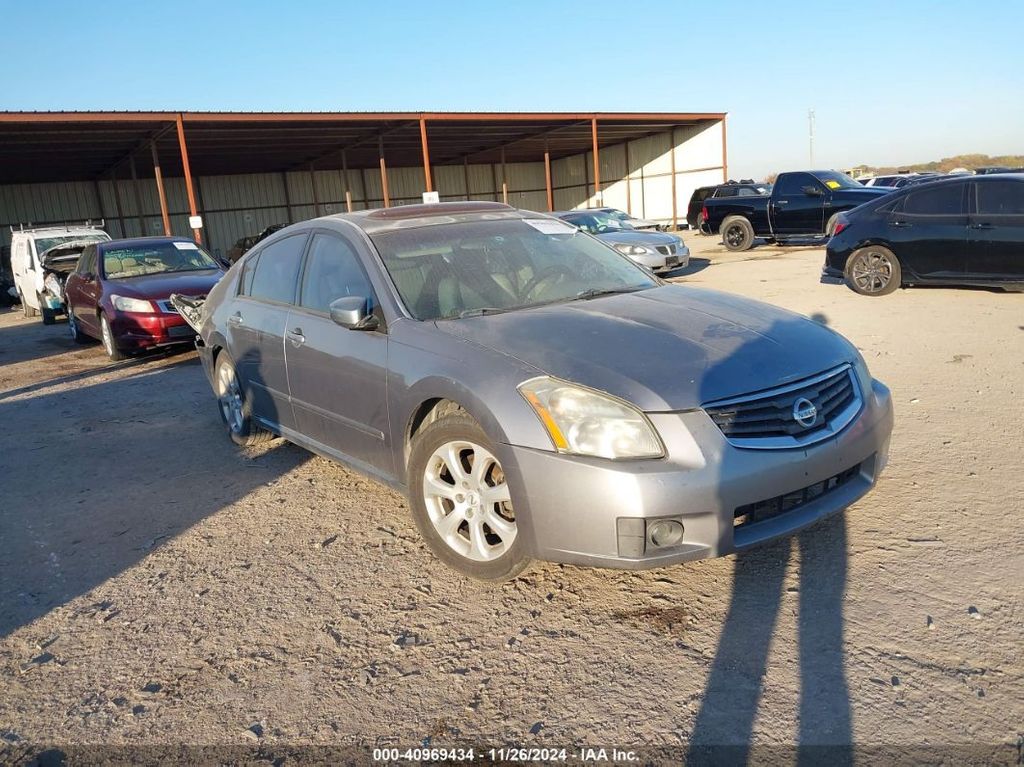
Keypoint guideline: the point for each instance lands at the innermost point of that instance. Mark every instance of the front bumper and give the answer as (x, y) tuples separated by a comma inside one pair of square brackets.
[(570, 508), (145, 331), (665, 263)]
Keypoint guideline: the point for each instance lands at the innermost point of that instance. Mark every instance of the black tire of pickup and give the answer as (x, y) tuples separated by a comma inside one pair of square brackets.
[(737, 233)]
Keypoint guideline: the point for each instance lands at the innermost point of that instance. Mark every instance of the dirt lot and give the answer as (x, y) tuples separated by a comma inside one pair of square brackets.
[(159, 586)]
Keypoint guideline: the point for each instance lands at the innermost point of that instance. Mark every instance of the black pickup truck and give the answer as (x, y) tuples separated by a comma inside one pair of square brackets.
[(803, 206)]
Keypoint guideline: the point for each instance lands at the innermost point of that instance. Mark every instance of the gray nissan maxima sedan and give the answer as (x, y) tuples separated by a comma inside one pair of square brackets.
[(535, 393)]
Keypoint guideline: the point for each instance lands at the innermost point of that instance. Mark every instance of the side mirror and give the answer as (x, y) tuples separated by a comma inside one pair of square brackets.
[(812, 191), (353, 312), (88, 276)]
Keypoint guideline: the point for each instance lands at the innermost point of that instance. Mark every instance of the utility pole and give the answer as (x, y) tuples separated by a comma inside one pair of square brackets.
[(810, 135)]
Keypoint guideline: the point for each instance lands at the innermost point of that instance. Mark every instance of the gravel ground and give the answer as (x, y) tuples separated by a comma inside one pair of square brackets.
[(160, 587)]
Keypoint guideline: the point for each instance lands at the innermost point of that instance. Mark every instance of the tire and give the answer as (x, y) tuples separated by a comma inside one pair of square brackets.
[(449, 505), (109, 342), (26, 310), (234, 405), (873, 271), (49, 315), (831, 225), (76, 331), (737, 234)]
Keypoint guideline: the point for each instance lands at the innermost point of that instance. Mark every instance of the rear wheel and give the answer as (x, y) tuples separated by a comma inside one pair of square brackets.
[(235, 408), (873, 271), (109, 342), (737, 234), (461, 501), (27, 310)]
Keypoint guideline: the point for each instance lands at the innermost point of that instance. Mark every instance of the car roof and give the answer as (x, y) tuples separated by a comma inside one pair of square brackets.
[(377, 220)]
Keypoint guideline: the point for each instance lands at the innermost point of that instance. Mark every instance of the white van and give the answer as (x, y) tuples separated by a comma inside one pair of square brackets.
[(38, 294)]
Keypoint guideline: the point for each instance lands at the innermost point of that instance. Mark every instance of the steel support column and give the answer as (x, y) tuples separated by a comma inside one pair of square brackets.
[(383, 173), (672, 167), (547, 177), (426, 155), (504, 178), (197, 234), (629, 182), (160, 189), (597, 162), (138, 196), (725, 155), (287, 197), (117, 205), (312, 183), (465, 176), (345, 179)]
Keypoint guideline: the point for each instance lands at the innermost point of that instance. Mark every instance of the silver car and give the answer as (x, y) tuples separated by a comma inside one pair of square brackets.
[(658, 251), (534, 393)]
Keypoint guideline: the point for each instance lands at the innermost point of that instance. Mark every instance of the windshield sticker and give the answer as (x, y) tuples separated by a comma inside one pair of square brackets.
[(832, 184), (550, 226), (186, 246)]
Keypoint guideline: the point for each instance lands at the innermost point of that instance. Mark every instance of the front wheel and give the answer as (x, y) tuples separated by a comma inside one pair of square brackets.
[(737, 234), (235, 408), (109, 342), (461, 501), (75, 329), (873, 271)]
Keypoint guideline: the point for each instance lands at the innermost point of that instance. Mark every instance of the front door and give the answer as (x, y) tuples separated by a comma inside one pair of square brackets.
[(338, 377), (928, 231), (996, 230), (256, 325), (82, 292), (797, 205)]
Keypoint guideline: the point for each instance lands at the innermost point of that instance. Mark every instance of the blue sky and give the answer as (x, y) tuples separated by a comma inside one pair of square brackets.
[(900, 81)]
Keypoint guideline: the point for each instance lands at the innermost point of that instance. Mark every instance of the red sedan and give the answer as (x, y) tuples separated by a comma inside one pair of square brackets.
[(118, 292)]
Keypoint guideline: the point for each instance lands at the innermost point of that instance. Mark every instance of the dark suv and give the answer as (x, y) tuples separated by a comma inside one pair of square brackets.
[(744, 188)]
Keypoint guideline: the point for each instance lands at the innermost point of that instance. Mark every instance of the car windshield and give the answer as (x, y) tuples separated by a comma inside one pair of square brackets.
[(835, 180), (598, 223), (155, 258), (43, 244), (477, 267)]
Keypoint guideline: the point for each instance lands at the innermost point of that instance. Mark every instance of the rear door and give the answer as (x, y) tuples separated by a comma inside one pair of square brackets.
[(797, 204), (257, 323), (338, 377), (996, 229), (928, 231)]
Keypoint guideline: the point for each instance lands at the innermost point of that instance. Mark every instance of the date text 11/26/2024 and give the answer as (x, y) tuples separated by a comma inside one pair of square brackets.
[(506, 754)]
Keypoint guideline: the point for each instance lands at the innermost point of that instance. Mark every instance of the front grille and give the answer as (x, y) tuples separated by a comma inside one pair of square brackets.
[(780, 417), (666, 250), (752, 513)]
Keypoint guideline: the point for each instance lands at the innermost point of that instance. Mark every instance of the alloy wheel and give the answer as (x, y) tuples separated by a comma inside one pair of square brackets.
[(229, 398), (108, 337), (72, 324), (871, 271), (468, 501), (734, 235)]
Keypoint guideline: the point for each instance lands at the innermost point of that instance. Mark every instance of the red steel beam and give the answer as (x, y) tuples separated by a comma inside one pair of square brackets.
[(160, 190), (197, 234), (426, 155), (597, 162), (383, 173), (547, 179), (725, 154), (672, 159)]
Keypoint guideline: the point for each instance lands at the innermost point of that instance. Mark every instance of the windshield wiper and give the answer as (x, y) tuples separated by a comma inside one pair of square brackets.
[(585, 295), (480, 311)]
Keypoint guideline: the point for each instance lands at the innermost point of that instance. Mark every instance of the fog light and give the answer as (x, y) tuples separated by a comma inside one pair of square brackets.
[(665, 532)]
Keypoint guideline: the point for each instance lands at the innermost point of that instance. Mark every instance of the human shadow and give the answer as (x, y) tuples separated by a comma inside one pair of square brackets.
[(98, 475)]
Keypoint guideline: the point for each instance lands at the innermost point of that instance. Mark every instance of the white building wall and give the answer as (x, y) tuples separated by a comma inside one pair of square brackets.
[(637, 178)]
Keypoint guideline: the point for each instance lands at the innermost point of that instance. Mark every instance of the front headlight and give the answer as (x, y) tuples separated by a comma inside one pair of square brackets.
[(582, 421), (137, 305), (632, 250)]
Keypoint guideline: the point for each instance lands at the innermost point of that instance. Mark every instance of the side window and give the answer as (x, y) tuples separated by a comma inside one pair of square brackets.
[(726, 191), (248, 270), (793, 183), (277, 270), (942, 200), (86, 260), (746, 191), (332, 271), (1000, 198)]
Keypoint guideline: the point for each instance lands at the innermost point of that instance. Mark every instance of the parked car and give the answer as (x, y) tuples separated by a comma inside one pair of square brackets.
[(744, 188), (803, 205), (964, 230), (895, 181), (243, 244), (28, 247), (658, 251), (536, 394), (119, 291), (633, 221)]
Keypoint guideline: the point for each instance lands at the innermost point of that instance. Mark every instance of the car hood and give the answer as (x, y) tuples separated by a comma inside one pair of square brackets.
[(160, 286), (664, 349), (634, 237)]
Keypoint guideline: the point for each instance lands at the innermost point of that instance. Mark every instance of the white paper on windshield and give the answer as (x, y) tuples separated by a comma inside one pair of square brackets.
[(550, 226), (186, 246)]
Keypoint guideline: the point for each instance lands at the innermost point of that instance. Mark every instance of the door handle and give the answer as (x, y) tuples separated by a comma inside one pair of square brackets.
[(903, 224), (296, 337), (982, 226), (235, 319), (782, 202)]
